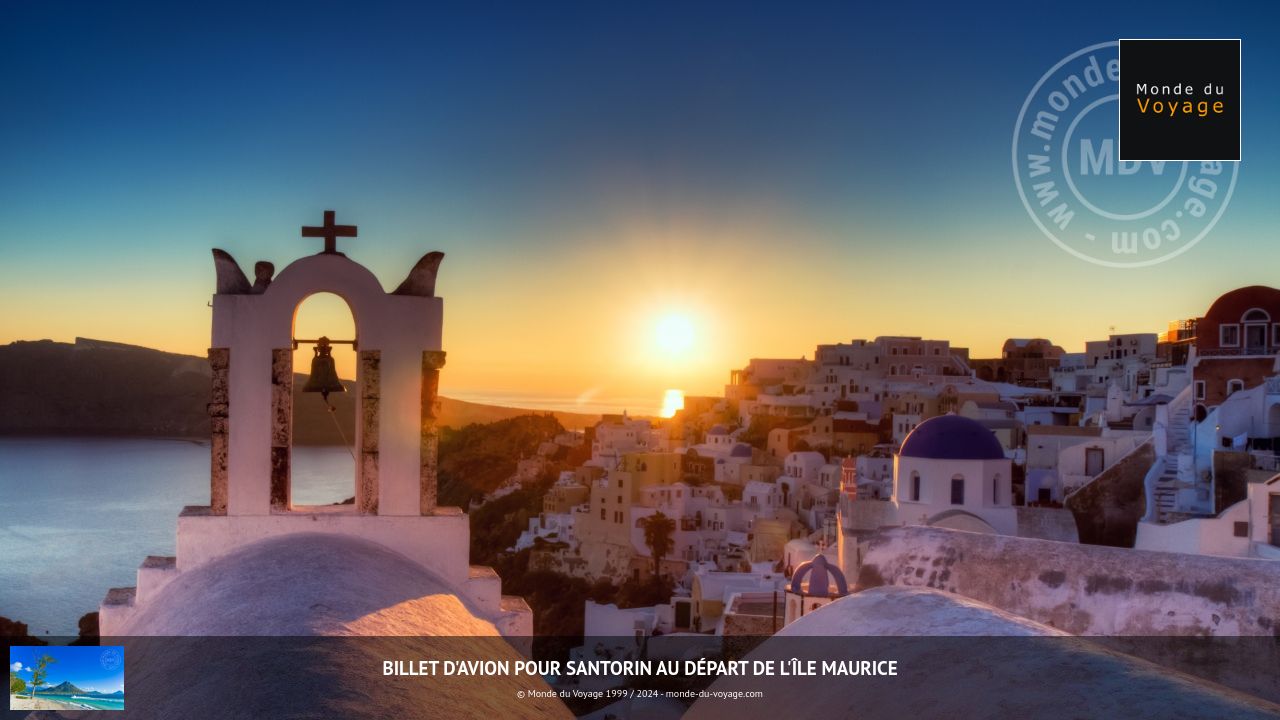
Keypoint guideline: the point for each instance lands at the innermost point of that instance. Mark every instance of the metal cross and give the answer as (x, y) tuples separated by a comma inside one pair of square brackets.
[(329, 232)]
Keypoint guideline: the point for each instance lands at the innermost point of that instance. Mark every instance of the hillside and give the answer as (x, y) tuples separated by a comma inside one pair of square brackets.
[(62, 688), (94, 387)]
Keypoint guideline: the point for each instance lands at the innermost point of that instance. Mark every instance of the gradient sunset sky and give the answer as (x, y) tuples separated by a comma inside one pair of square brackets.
[(780, 175)]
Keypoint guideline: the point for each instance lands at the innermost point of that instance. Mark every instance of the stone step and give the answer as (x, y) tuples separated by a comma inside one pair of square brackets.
[(120, 597), (116, 608), (153, 574), (515, 603), (484, 588), (516, 623)]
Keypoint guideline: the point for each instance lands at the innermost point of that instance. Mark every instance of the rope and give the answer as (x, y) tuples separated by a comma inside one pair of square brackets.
[(333, 413)]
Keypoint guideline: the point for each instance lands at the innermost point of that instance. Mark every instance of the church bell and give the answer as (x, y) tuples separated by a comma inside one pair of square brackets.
[(324, 373)]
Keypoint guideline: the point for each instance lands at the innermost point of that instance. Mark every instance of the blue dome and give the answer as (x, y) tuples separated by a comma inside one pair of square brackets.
[(740, 450), (952, 437), (821, 576)]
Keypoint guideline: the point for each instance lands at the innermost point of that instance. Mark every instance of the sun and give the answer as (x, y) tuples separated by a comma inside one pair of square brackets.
[(672, 403), (674, 334)]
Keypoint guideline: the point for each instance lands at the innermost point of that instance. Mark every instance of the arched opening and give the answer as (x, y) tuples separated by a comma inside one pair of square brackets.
[(322, 462), (957, 490), (1257, 325)]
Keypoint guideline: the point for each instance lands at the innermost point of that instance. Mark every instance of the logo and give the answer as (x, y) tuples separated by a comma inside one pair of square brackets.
[(1070, 178), (111, 658), (1180, 100)]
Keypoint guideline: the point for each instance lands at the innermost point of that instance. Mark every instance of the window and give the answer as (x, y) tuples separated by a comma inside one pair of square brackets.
[(957, 490), (1199, 389), (601, 513), (1229, 335), (1255, 315), (995, 489), (1242, 529), (915, 486), (1234, 386)]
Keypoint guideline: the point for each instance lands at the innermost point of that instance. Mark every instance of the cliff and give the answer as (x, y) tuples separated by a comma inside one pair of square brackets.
[(95, 387)]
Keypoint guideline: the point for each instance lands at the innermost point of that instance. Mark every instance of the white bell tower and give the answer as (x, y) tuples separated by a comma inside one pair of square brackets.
[(251, 411)]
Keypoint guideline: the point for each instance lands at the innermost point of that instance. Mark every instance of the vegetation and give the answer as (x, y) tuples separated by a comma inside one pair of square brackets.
[(40, 672), (16, 684), (644, 593), (557, 600), (658, 532), (88, 630), (496, 525), (16, 633), (476, 459)]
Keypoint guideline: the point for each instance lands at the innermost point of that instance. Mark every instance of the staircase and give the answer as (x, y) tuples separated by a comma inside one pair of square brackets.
[(1175, 470)]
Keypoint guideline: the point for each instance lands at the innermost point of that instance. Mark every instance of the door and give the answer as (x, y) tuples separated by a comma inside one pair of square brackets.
[(682, 615), (1275, 519), (1093, 461), (1255, 339)]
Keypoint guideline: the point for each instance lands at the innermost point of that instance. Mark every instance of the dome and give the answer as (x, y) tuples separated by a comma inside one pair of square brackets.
[(304, 585), (740, 450), (1231, 305), (718, 430), (952, 437), (326, 611), (822, 575), (982, 674)]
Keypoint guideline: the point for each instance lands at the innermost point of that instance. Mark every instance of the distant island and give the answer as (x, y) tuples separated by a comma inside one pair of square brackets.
[(62, 688), (97, 387)]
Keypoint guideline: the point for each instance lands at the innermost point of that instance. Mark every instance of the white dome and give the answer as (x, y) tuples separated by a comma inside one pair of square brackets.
[(1007, 667), (308, 584), (295, 588)]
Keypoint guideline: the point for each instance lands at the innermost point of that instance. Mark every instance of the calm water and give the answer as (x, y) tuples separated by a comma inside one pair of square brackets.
[(92, 702), (77, 516)]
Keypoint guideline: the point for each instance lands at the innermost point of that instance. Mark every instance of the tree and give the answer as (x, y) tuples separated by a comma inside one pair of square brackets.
[(658, 531), (40, 672), (16, 684)]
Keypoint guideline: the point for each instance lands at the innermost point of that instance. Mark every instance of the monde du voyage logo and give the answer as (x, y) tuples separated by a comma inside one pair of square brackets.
[(1177, 172)]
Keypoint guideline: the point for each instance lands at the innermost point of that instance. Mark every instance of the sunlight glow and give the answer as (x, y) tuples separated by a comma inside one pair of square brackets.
[(674, 335), (672, 402)]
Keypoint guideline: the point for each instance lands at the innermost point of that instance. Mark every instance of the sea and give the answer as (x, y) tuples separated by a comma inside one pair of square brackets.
[(93, 703), (78, 515)]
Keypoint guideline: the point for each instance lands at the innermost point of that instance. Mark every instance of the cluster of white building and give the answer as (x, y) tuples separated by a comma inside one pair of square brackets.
[(908, 431)]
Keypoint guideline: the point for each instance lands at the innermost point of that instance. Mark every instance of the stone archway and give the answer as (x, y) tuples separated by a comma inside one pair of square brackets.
[(397, 377), (323, 442)]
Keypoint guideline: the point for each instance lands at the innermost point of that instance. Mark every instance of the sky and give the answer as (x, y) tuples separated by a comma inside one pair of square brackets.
[(81, 665), (630, 198)]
